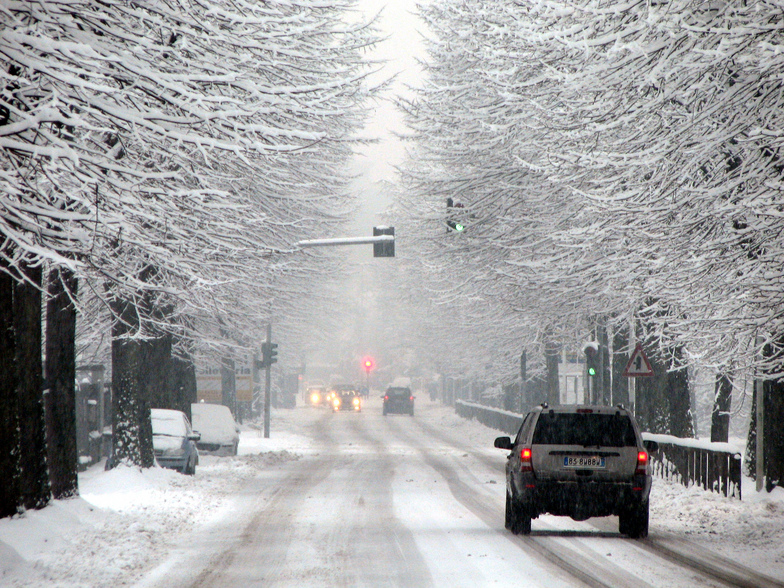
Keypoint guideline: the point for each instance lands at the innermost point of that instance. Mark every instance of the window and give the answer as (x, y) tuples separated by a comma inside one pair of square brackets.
[(588, 430)]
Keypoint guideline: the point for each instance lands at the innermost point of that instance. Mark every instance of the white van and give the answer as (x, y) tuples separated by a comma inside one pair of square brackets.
[(220, 435)]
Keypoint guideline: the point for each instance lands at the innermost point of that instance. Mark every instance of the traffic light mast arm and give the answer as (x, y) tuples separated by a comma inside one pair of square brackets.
[(346, 241)]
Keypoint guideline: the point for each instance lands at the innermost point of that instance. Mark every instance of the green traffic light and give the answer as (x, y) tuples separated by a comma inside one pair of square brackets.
[(459, 227), (591, 371)]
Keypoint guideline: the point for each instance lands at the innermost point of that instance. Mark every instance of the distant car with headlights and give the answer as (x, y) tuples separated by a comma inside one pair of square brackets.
[(399, 400), (578, 461), (219, 433), (316, 395), (347, 400), (174, 441)]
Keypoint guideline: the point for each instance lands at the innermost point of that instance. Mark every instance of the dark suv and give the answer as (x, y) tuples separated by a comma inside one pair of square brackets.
[(400, 400), (580, 462)]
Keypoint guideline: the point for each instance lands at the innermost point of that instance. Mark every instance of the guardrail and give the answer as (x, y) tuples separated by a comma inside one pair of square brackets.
[(495, 418), (715, 467)]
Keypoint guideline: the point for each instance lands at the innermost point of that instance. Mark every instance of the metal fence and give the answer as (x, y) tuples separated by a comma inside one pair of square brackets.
[(495, 418), (715, 470)]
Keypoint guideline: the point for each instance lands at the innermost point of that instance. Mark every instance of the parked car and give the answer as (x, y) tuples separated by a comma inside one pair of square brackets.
[(174, 441), (220, 434), (347, 400), (580, 462), (399, 400)]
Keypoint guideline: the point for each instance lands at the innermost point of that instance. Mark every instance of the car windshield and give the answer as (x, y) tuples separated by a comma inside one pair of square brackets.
[(168, 425), (588, 430)]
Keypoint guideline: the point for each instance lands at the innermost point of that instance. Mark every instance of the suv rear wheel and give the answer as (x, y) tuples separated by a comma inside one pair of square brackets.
[(516, 518), (634, 522)]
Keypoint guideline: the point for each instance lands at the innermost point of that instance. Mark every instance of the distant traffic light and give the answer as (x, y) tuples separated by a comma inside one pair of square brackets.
[(269, 353), (368, 363), (452, 221), (591, 350)]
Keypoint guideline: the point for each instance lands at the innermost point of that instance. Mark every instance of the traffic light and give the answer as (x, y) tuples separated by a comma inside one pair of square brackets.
[(368, 363), (452, 222), (385, 248), (591, 350), (269, 353)]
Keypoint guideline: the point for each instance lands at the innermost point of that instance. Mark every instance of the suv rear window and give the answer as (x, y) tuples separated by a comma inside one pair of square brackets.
[(588, 430), (398, 392)]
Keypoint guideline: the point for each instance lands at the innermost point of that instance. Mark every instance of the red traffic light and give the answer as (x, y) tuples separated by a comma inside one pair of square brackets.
[(368, 363)]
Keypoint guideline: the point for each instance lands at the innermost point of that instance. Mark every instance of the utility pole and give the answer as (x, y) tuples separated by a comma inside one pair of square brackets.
[(267, 386)]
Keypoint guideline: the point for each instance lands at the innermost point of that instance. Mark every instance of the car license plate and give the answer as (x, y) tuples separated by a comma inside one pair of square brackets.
[(583, 462)]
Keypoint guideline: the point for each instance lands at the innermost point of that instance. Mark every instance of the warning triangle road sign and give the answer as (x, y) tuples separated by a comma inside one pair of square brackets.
[(638, 366)]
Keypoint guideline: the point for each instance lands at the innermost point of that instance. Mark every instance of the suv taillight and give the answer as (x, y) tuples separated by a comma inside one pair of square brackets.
[(642, 461), (525, 460)]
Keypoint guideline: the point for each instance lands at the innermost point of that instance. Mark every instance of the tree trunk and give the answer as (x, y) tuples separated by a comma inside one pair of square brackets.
[(774, 440), (620, 383), (10, 489), (157, 373), (663, 400), (228, 384), (553, 387), (681, 423), (720, 416), (183, 381), (131, 424), (36, 492), (60, 377), (750, 460), (604, 377)]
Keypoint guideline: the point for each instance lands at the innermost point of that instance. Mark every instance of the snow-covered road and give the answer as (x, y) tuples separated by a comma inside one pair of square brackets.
[(401, 501), (359, 499)]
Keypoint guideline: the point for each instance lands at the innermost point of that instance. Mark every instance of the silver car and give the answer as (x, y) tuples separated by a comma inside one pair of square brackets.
[(219, 432), (173, 441), (580, 462)]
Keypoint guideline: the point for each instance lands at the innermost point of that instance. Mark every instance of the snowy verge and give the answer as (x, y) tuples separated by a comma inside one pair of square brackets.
[(126, 520)]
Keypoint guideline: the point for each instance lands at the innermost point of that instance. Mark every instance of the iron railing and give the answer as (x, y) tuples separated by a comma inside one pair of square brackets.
[(691, 463)]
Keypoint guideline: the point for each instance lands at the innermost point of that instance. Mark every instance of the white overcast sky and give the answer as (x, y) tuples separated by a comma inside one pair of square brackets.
[(402, 29)]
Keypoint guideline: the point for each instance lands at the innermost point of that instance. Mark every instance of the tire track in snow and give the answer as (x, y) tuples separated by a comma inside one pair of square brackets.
[(576, 565), (386, 551), (260, 555)]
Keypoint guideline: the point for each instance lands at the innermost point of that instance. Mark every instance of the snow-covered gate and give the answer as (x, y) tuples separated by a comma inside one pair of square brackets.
[(715, 467)]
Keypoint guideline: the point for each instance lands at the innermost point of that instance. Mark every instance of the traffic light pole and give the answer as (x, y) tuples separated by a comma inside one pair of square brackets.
[(267, 387)]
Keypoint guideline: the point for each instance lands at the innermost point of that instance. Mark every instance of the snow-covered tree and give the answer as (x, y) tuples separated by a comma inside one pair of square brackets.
[(613, 160), (171, 152)]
